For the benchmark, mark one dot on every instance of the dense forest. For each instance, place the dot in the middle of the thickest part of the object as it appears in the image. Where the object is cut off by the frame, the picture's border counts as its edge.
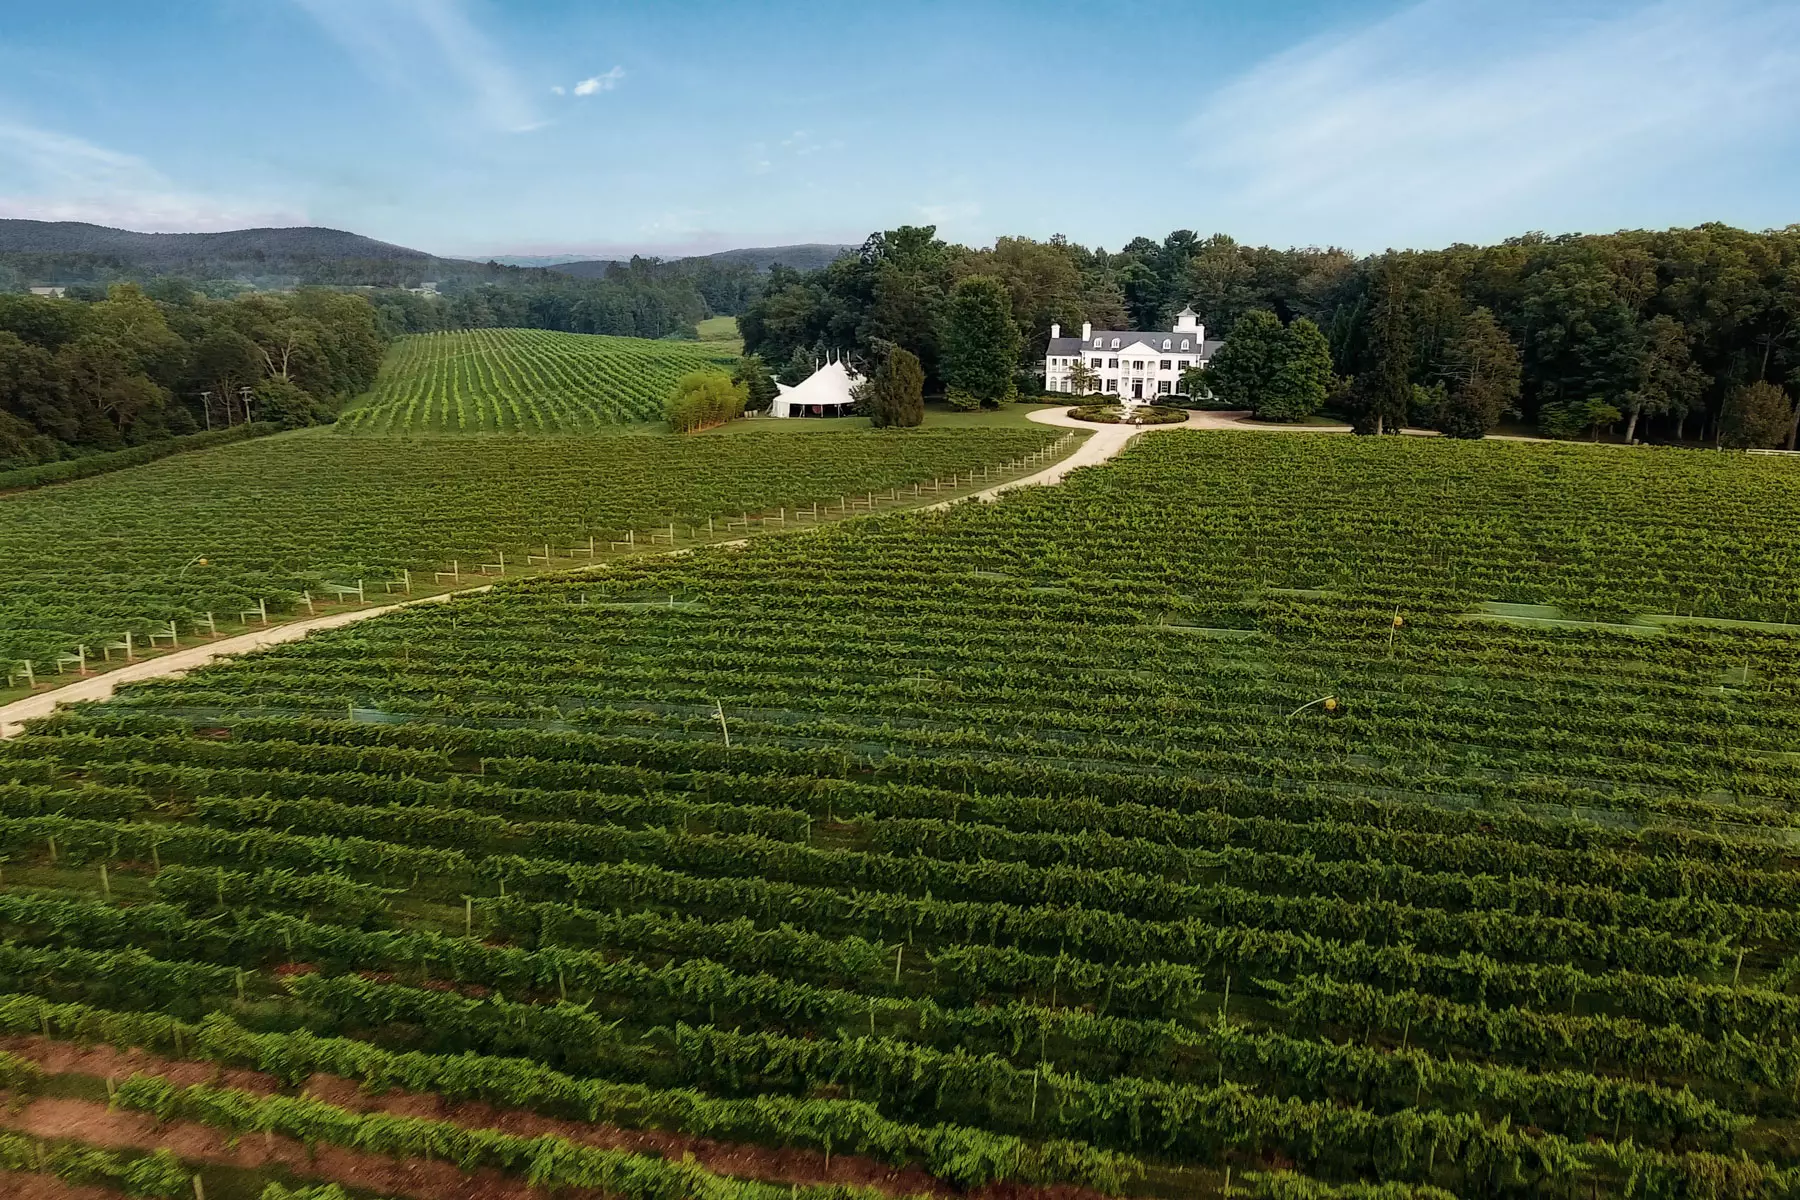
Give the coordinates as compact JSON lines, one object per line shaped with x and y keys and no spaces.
{"x":1688,"y":334}
{"x":142,"y":364}
{"x":641,"y":298}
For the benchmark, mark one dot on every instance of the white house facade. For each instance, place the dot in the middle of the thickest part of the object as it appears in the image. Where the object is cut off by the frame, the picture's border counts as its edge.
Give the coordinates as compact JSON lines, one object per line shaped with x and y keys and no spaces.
{"x":1129,"y":364}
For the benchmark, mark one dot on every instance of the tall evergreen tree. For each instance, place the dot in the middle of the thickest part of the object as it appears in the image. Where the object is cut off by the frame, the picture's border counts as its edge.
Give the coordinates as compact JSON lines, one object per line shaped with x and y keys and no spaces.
{"x":980,"y":344}
{"x":1756,"y":416}
{"x":1383,"y":391}
{"x":894,"y":397}
{"x":759,"y":386}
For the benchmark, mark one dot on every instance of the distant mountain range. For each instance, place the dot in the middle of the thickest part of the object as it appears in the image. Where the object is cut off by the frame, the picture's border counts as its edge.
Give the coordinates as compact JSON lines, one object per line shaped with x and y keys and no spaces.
{"x":171,"y":249}
{"x":72,"y":251}
{"x":808,"y":256}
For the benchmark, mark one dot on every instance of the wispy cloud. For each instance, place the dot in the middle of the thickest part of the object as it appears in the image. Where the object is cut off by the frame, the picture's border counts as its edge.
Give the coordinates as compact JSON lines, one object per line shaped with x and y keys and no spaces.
{"x":53,"y":176}
{"x":951,"y":214}
{"x":1452,"y":116}
{"x":420,"y":46}
{"x":606,"y":81}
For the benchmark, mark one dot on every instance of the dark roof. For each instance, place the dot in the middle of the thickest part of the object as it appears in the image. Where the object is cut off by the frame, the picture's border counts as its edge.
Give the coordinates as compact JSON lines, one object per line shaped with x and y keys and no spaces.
{"x":1075,"y":345}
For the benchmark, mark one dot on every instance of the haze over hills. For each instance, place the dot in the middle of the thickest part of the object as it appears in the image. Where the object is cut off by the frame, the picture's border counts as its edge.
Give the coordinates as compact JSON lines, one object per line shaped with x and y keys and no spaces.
{"x":806,"y":256}
{"x":171,"y":249}
{"x":73,"y":251}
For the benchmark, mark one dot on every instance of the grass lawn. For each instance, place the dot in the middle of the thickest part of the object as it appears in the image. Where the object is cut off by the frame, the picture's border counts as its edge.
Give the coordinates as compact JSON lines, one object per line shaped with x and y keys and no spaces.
{"x":722,"y":331}
{"x":938,"y":415}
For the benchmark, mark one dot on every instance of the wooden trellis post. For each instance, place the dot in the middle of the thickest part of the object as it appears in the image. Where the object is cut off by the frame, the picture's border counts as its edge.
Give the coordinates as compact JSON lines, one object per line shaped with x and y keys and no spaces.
{"x":495,"y":568}
{"x":543,"y":558}
{"x":404,"y":583}
{"x":455,"y":572}
{"x":21,"y":667}
{"x":628,"y":543}
{"x":78,"y":659}
{"x":212,"y":626}
{"x":169,"y":633}
{"x":124,"y":643}
{"x":261,"y":610}
{"x":577,"y":551}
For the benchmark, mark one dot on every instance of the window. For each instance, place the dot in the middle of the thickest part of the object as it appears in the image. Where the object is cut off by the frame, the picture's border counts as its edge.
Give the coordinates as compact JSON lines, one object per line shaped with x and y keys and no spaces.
{"x":1137,"y":364}
{"x":1164,"y":387}
{"x":1115,"y":344}
{"x":1111,"y":362}
{"x":1185,"y":364}
{"x":1096,"y":343}
{"x":1166,"y":364}
{"x":1165,"y":343}
{"x":1096,"y":362}
{"x":1184,"y":344}
{"x":1112,"y":385}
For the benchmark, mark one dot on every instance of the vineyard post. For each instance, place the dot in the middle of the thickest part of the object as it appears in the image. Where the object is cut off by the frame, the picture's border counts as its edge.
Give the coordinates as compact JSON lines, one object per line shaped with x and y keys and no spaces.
{"x":105,"y":883}
{"x":306,"y":598}
{"x":719,"y":710}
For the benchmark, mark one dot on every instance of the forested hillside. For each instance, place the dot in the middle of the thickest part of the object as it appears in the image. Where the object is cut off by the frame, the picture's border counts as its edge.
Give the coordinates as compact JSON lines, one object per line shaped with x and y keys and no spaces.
{"x":80,"y":377}
{"x":1662,"y":335}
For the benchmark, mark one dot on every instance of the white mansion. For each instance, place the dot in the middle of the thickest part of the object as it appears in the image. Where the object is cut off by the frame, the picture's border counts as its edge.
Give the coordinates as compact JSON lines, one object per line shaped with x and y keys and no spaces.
{"x":1130,"y":364}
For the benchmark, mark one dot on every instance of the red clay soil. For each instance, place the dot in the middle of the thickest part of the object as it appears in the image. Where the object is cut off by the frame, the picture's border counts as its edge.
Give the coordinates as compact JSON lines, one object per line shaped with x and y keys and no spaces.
{"x":738,"y":1159}
{"x":97,"y":1125}
{"x":18,"y":1185}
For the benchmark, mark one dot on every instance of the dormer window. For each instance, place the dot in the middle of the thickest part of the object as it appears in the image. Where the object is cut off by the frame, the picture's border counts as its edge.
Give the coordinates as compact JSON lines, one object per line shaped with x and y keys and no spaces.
{"x":1097,"y":342}
{"x":1184,"y":344}
{"x":1115,"y":344}
{"x":1165,"y":343}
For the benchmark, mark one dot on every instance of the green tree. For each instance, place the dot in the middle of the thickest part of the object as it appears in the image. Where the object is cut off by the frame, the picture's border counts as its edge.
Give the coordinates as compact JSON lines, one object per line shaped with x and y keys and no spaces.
{"x":703,"y":399}
{"x":759,"y":386}
{"x":285,"y":403}
{"x":1302,"y":376}
{"x":980,"y":343}
{"x":894,"y":397}
{"x":1242,"y":370}
{"x":1481,"y":377}
{"x":1383,"y":391}
{"x":1572,"y":418}
{"x":1663,"y":376}
{"x":1083,"y":379}
{"x":1756,"y":416}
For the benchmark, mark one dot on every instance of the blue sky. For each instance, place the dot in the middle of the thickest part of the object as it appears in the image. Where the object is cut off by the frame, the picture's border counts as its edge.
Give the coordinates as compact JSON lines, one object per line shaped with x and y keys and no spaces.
{"x":511,"y":126}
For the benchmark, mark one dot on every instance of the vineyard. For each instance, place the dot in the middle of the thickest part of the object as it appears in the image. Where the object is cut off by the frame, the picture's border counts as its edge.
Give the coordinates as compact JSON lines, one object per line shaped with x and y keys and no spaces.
{"x":202,"y":543}
{"x":525,"y":381}
{"x":1271,"y":816}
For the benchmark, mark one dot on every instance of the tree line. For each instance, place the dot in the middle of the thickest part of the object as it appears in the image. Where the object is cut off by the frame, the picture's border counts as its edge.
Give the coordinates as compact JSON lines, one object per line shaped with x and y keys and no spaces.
{"x":1680,"y":335}
{"x":80,"y":377}
{"x":641,"y":298}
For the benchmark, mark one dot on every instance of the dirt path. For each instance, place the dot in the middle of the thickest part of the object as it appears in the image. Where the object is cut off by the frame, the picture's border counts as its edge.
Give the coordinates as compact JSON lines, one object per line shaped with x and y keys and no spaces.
{"x":178,"y":662}
{"x":1104,"y":442}
{"x":789,"y":1165}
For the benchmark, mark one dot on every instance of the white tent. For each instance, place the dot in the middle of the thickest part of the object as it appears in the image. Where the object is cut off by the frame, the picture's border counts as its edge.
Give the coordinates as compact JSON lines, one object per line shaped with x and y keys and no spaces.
{"x":824,"y":393}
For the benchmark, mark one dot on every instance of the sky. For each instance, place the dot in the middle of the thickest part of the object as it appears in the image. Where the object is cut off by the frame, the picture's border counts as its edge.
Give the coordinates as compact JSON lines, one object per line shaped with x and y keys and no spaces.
{"x":476,"y":127}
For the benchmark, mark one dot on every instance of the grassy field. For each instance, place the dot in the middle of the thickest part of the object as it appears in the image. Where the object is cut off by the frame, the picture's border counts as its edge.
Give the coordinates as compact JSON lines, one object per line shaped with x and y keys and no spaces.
{"x":721,"y":332}
{"x":1392,"y":810}
{"x":526,"y":381}
{"x":270,"y":521}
